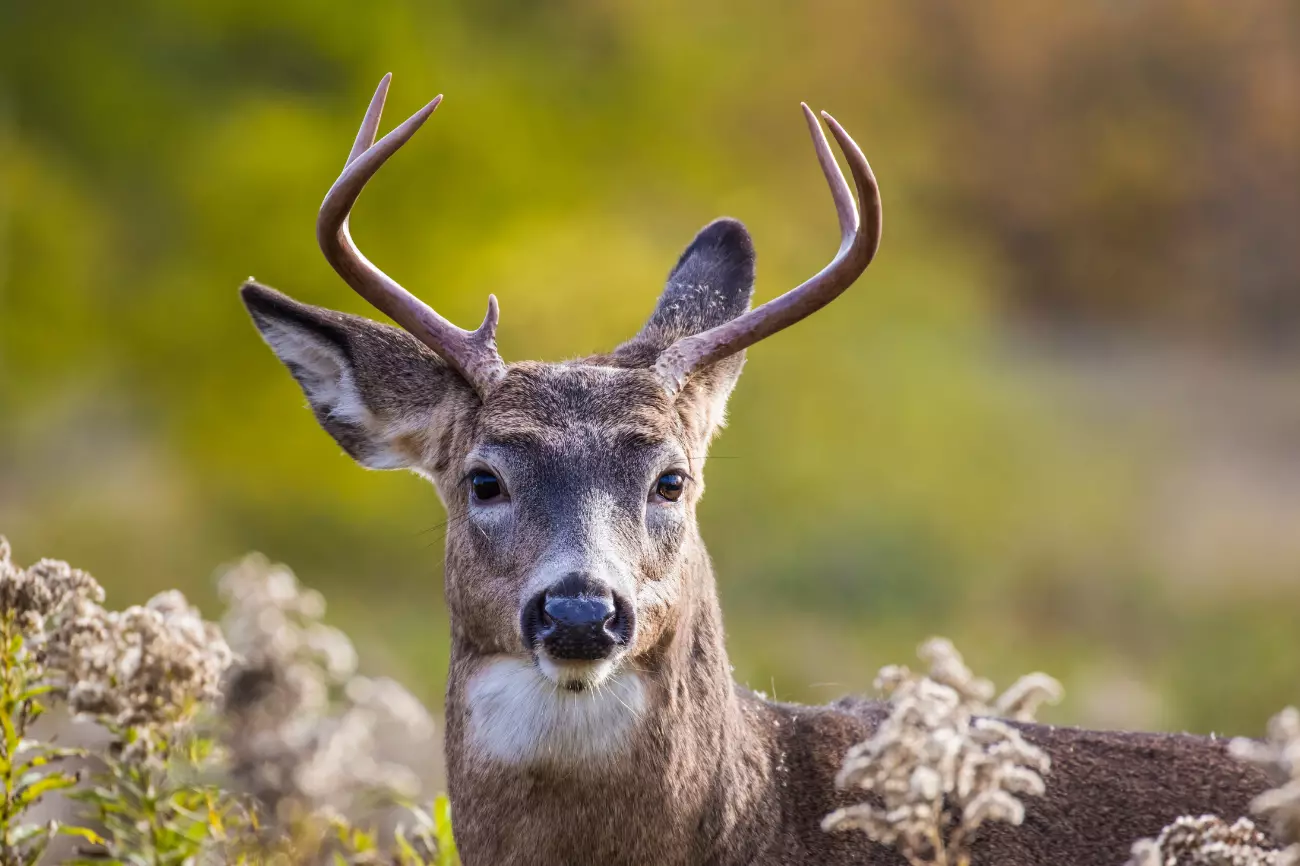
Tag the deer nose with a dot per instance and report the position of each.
(578, 618)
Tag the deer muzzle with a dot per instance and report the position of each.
(577, 619)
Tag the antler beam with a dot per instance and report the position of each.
(473, 354)
(860, 227)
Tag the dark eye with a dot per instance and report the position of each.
(670, 486)
(485, 485)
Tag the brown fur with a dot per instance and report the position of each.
(711, 773)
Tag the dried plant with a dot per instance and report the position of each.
(302, 731)
(29, 768)
(1279, 754)
(1211, 841)
(1207, 841)
(142, 674)
(938, 767)
(258, 756)
(147, 668)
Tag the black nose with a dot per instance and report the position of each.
(578, 618)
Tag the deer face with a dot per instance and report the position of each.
(578, 499)
(570, 488)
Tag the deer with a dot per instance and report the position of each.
(591, 714)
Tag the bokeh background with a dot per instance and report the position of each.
(1058, 421)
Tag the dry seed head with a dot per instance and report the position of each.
(1022, 700)
(949, 669)
(31, 596)
(938, 769)
(1211, 841)
(303, 733)
(1208, 841)
(149, 665)
(143, 666)
(1279, 754)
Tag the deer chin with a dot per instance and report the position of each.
(519, 715)
(577, 676)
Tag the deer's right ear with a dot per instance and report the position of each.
(383, 396)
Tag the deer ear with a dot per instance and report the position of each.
(378, 391)
(712, 283)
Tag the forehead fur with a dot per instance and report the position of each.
(537, 401)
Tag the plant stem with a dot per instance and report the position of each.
(8, 705)
(151, 815)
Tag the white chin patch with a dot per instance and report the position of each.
(576, 676)
(568, 716)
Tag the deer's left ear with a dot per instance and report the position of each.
(712, 283)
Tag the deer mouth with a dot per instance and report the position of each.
(575, 675)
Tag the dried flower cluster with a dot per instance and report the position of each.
(144, 666)
(301, 729)
(1211, 841)
(303, 734)
(938, 770)
(1206, 841)
(147, 666)
(33, 595)
(1279, 753)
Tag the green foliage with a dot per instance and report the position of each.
(152, 809)
(427, 841)
(155, 811)
(442, 831)
(28, 767)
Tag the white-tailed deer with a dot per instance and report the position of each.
(591, 714)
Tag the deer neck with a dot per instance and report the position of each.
(689, 749)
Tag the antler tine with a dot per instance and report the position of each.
(473, 354)
(860, 229)
(370, 123)
(845, 209)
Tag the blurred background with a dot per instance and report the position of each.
(1058, 421)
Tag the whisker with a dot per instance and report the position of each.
(446, 526)
(614, 692)
(434, 528)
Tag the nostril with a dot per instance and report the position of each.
(534, 621)
(621, 621)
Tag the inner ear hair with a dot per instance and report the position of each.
(376, 389)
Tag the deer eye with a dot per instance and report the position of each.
(670, 486)
(485, 486)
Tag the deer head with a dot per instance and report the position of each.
(570, 487)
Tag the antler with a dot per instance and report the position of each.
(860, 228)
(473, 354)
